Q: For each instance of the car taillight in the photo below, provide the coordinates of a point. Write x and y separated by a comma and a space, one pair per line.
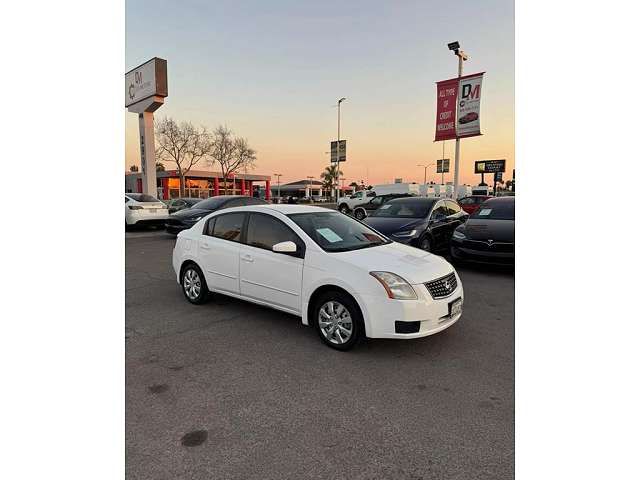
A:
135, 207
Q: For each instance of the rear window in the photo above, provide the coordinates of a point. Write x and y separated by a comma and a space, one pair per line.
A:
229, 226
496, 210
142, 197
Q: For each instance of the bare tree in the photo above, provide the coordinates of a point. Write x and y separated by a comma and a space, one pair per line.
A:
231, 153
183, 144
133, 168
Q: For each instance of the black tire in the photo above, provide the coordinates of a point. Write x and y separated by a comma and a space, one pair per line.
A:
344, 208
193, 284
360, 214
350, 305
425, 244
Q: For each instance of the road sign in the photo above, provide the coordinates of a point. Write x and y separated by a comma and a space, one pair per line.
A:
442, 166
489, 166
339, 152
497, 177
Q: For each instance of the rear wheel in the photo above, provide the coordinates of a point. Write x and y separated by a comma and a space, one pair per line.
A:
194, 286
338, 320
360, 214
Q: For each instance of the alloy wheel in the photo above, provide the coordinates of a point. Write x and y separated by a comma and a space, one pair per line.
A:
191, 284
335, 322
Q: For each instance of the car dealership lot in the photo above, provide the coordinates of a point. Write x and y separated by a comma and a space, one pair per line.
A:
276, 403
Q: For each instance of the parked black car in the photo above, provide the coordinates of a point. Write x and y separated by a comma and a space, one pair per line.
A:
489, 235
187, 218
422, 222
177, 204
364, 210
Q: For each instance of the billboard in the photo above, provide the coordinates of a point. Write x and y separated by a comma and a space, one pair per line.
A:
147, 80
458, 107
442, 166
489, 166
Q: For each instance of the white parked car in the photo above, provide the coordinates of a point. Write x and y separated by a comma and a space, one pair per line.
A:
345, 279
143, 209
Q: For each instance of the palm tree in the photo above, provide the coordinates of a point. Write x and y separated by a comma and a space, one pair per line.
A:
330, 177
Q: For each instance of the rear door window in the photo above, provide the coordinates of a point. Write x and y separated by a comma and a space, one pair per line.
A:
229, 226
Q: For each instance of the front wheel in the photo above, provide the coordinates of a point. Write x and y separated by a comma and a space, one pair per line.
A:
338, 320
194, 286
360, 214
344, 208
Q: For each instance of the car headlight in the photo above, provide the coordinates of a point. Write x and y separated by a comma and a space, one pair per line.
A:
408, 233
194, 219
396, 286
459, 235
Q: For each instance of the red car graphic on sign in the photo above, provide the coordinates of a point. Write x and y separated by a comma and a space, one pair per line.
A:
469, 117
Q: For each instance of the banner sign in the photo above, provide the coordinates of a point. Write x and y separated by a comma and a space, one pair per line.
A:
490, 166
497, 177
446, 109
458, 107
442, 166
339, 152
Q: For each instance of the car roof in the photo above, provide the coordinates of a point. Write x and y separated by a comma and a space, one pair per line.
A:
287, 209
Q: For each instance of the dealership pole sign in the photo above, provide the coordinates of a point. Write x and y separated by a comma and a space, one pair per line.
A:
458, 107
442, 165
145, 88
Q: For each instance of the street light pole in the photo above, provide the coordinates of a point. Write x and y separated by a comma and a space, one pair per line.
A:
278, 175
425, 170
455, 46
338, 162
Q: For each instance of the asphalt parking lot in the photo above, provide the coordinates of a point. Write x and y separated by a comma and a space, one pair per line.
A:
258, 396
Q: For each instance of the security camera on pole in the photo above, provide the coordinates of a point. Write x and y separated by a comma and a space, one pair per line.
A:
458, 109
145, 88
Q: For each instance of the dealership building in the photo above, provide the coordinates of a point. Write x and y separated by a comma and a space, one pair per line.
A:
202, 184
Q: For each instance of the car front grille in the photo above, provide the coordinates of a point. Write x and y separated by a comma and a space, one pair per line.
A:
442, 287
489, 246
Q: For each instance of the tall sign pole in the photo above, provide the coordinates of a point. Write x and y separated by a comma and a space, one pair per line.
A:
456, 165
145, 91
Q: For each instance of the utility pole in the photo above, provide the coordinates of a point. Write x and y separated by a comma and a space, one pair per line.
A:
278, 175
455, 46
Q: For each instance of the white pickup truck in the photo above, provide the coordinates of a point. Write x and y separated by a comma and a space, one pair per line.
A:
348, 204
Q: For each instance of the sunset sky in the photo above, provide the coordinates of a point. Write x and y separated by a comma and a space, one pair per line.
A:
273, 70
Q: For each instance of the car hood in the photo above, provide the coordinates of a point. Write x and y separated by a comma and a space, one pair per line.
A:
189, 213
390, 225
496, 230
412, 264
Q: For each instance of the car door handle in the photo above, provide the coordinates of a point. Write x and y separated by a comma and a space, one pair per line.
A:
247, 258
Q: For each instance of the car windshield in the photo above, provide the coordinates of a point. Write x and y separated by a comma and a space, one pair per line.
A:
496, 210
142, 197
404, 208
336, 232
212, 203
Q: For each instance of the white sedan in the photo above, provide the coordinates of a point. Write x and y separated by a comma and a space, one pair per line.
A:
143, 209
345, 279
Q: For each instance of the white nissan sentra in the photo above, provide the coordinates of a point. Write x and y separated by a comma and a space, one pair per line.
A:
340, 276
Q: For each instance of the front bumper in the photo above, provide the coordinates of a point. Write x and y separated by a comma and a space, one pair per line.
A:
500, 254
381, 313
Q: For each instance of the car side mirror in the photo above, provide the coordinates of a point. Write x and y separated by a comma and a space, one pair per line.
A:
285, 247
